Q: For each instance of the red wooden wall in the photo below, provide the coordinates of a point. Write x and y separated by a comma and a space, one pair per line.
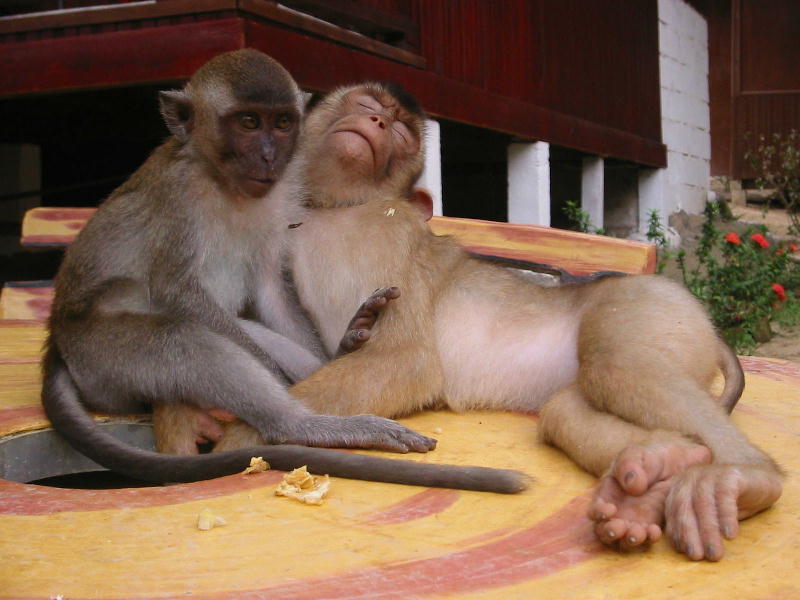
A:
577, 73
754, 49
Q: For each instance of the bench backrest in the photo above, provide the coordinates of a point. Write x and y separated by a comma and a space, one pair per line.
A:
526, 246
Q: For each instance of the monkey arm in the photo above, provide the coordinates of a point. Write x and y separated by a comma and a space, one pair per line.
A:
293, 360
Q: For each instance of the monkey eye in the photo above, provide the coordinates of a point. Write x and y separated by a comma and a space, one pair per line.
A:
402, 131
249, 121
283, 122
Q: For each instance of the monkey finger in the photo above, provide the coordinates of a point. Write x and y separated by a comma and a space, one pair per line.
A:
611, 530
685, 532
601, 510
705, 504
353, 340
728, 516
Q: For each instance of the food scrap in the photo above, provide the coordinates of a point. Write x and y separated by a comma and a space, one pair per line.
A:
208, 520
390, 212
303, 486
257, 465
437, 430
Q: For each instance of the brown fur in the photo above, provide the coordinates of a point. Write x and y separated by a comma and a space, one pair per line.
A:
612, 363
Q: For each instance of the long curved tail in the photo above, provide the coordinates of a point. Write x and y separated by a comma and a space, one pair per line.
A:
62, 405
734, 377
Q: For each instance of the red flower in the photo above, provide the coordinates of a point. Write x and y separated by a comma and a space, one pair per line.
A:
760, 240
792, 247
779, 291
732, 238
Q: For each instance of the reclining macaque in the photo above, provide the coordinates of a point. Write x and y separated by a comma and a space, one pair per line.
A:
151, 298
619, 367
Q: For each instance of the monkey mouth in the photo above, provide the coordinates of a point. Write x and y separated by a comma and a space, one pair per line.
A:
262, 180
367, 138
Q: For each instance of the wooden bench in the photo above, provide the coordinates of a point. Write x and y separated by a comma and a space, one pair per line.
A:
370, 540
556, 251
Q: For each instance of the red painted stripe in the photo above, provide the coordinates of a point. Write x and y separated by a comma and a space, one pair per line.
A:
19, 360
418, 506
65, 214
561, 540
22, 414
24, 499
772, 368
19, 324
47, 240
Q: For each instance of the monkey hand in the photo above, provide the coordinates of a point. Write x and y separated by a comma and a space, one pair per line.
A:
360, 327
707, 502
360, 431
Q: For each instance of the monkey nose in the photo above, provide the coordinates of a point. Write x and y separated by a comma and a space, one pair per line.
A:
379, 121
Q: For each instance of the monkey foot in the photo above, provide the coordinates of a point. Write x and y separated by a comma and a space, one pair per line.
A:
360, 327
706, 503
628, 503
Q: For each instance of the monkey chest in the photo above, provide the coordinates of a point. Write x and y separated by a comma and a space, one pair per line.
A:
227, 276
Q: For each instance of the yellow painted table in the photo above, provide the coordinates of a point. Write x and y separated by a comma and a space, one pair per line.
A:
377, 540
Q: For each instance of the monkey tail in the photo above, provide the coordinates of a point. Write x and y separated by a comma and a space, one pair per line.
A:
734, 377
62, 405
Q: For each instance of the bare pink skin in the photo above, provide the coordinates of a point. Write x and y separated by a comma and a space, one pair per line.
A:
628, 506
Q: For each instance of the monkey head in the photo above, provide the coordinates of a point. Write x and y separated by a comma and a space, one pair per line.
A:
239, 115
362, 141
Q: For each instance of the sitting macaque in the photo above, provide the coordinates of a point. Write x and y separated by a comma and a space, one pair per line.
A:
619, 367
175, 292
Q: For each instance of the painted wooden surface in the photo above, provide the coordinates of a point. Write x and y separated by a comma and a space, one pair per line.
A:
47, 226
577, 253
378, 540
26, 300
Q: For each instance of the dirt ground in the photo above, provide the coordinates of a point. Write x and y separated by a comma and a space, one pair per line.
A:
786, 340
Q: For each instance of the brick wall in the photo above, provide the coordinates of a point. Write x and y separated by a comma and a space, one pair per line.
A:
683, 49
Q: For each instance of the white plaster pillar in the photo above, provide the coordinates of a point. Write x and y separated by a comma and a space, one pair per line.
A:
529, 183
592, 197
431, 177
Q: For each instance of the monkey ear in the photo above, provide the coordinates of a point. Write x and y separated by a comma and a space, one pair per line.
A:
422, 200
178, 112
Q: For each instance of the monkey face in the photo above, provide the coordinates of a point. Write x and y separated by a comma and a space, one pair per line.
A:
256, 145
372, 135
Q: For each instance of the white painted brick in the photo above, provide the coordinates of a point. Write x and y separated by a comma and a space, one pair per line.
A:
687, 139
685, 169
529, 183
667, 11
692, 198
668, 41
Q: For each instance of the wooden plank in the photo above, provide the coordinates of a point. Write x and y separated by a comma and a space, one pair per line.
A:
29, 301
576, 253
53, 227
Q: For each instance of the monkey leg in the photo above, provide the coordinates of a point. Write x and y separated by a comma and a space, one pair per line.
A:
238, 435
637, 466
389, 382
704, 501
178, 428
178, 361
